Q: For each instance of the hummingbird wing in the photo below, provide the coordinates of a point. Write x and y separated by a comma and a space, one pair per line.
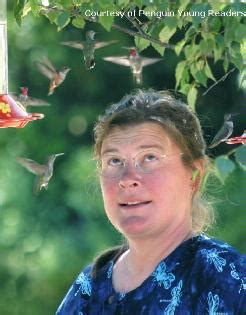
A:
223, 134
77, 44
149, 61
15, 96
46, 71
121, 60
48, 63
103, 44
31, 101
32, 166
18, 100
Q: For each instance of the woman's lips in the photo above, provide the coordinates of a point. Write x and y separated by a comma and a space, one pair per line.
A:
134, 204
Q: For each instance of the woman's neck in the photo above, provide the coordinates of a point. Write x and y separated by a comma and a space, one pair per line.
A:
139, 261
145, 255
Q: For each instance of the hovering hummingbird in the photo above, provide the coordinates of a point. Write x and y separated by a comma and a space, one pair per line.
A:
134, 61
224, 133
239, 139
88, 47
43, 172
56, 77
25, 100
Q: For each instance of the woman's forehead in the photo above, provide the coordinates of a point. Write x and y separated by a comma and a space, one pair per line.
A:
143, 135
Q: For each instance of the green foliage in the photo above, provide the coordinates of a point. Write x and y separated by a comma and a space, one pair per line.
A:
240, 156
224, 167
208, 31
46, 240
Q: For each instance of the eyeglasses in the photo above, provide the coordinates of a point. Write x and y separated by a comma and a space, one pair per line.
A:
146, 161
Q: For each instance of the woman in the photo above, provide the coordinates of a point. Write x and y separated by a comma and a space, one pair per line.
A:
151, 158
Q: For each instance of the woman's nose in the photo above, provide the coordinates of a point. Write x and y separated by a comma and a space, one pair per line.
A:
130, 177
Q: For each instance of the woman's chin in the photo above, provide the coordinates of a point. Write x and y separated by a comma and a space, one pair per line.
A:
134, 225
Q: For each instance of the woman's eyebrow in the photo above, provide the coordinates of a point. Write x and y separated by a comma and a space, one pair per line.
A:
109, 150
143, 147
151, 146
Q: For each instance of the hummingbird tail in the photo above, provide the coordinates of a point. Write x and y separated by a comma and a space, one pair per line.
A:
137, 77
90, 64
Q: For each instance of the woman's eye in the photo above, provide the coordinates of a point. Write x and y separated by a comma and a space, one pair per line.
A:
150, 157
114, 162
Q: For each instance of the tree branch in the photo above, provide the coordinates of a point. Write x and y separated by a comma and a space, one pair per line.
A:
221, 79
140, 32
145, 36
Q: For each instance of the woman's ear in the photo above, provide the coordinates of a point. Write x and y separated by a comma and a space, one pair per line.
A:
197, 173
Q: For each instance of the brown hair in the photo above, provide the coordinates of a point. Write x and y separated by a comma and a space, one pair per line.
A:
178, 121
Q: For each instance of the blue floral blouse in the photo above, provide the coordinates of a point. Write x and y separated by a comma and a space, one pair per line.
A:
201, 276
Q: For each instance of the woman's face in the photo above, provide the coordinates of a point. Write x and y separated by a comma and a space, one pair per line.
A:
147, 204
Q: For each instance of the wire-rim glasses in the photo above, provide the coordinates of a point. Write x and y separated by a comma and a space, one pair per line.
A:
146, 162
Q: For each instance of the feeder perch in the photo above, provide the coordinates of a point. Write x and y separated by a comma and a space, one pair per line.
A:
12, 113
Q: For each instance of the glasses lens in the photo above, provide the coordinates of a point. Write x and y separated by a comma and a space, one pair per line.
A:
148, 161
112, 166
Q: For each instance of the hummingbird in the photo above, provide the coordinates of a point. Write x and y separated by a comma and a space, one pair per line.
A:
25, 100
134, 61
56, 77
239, 139
43, 172
88, 47
224, 132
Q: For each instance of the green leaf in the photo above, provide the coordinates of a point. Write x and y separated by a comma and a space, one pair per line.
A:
192, 51
76, 2
240, 156
103, 3
217, 5
224, 167
122, 3
226, 64
179, 72
214, 24
166, 33
204, 46
179, 46
208, 72
52, 16
183, 4
242, 79
229, 34
192, 96
62, 20
139, 3
200, 9
190, 32
240, 32
171, 22
198, 72
18, 10
184, 88
78, 22
34, 7
243, 49
220, 45
106, 22
158, 48
141, 43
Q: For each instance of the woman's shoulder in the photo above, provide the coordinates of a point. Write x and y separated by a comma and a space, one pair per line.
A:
219, 273
211, 250
78, 294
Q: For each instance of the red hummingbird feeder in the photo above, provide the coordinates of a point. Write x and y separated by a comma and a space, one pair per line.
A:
12, 113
